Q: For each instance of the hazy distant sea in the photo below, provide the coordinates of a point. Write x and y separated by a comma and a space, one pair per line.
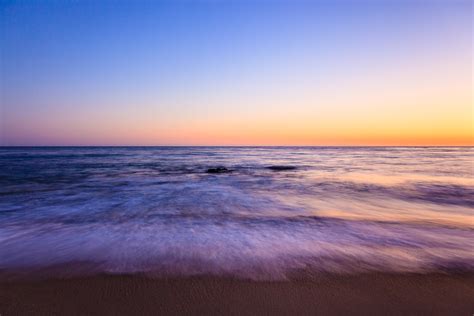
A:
156, 210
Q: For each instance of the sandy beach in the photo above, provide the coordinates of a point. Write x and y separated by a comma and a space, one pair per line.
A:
366, 294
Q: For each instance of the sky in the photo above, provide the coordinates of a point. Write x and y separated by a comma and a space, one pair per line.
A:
262, 72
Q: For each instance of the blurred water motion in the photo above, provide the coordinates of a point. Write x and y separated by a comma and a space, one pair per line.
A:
272, 212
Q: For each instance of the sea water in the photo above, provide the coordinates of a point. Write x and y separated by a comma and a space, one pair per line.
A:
158, 211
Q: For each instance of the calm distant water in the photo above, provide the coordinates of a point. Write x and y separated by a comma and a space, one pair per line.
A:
156, 210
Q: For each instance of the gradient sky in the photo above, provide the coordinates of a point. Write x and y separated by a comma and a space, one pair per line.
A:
236, 73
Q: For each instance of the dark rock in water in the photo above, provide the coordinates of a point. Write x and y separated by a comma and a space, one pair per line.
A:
281, 168
218, 170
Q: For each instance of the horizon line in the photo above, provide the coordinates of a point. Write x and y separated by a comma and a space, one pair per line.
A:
232, 146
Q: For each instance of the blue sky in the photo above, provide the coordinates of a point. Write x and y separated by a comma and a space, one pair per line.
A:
235, 72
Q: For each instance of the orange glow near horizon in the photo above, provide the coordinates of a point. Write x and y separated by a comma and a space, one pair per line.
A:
257, 135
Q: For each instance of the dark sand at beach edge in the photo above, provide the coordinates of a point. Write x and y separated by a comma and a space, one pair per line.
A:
364, 294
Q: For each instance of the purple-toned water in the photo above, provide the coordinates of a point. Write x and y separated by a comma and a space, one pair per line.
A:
157, 210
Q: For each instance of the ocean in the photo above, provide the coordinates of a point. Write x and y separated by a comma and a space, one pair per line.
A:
246, 212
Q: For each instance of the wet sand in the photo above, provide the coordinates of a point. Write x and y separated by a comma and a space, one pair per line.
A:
366, 294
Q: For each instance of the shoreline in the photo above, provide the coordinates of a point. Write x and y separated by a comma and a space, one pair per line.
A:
327, 294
